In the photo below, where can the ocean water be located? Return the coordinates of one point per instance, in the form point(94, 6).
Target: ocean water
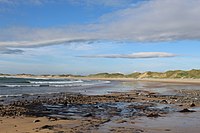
point(28, 86)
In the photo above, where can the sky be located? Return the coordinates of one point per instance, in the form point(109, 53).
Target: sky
point(93, 36)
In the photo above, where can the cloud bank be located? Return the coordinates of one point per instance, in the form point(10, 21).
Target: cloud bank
point(150, 21)
point(139, 55)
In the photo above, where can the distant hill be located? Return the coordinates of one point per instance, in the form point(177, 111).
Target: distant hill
point(176, 74)
point(107, 75)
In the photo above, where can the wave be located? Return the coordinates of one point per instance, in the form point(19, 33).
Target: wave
point(106, 82)
point(25, 94)
point(43, 85)
point(17, 95)
point(20, 85)
point(55, 82)
point(69, 85)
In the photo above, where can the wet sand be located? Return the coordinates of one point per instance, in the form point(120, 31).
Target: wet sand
point(136, 111)
point(186, 81)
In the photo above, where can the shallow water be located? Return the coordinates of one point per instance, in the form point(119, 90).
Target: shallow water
point(104, 110)
point(20, 86)
point(23, 86)
point(175, 122)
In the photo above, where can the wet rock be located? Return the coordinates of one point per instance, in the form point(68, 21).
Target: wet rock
point(153, 115)
point(87, 115)
point(52, 119)
point(192, 105)
point(121, 121)
point(60, 132)
point(1, 100)
point(186, 110)
point(167, 129)
point(139, 130)
point(50, 127)
point(112, 130)
point(105, 121)
point(164, 102)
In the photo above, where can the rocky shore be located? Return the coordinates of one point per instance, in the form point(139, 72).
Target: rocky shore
point(93, 112)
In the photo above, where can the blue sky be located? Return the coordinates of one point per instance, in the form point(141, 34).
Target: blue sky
point(91, 36)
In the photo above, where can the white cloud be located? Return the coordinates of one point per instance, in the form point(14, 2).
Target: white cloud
point(155, 20)
point(134, 55)
point(40, 43)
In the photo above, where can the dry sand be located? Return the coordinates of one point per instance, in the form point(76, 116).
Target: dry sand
point(27, 125)
point(44, 125)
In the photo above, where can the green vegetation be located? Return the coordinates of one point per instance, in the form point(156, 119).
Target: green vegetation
point(176, 74)
point(107, 75)
point(133, 75)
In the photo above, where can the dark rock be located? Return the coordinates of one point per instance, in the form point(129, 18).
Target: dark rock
point(121, 121)
point(164, 102)
point(50, 127)
point(167, 129)
point(35, 121)
point(87, 115)
point(153, 115)
point(52, 118)
point(192, 105)
point(60, 132)
point(186, 110)
point(139, 130)
point(105, 121)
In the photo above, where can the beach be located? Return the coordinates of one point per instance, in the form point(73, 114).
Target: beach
point(99, 66)
point(147, 106)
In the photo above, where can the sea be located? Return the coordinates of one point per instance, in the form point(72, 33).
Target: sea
point(12, 86)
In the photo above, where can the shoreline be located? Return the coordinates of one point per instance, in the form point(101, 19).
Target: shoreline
point(192, 81)
point(187, 81)
point(184, 81)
